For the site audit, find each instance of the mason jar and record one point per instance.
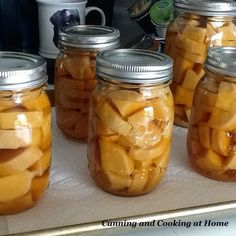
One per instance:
(131, 119)
(197, 26)
(211, 135)
(25, 131)
(75, 76)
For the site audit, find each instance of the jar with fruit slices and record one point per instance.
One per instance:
(131, 119)
(198, 25)
(25, 131)
(75, 74)
(212, 128)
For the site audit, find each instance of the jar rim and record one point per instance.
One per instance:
(21, 70)
(89, 36)
(206, 7)
(134, 66)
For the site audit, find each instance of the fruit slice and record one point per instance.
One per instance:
(146, 129)
(222, 120)
(12, 161)
(228, 31)
(15, 186)
(220, 141)
(192, 32)
(155, 176)
(210, 161)
(112, 119)
(127, 101)
(17, 205)
(101, 129)
(141, 154)
(79, 67)
(40, 103)
(46, 139)
(42, 164)
(226, 97)
(183, 96)
(67, 117)
(39, 185)
(190, 80)
(162, 160)
(36, 137)
(204, 132)
(18, 118)
(13, 139)
(115, 159)
(139, 181)
(230, 163)
(118, 182)
(181, 65)
(191, 46)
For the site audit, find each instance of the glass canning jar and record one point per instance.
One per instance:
(25, 131)
(212, 128)
(197, 26)
(131, 120)
(75, 76)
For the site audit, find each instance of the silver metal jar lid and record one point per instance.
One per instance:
(89, 36)
(134, 66)
(21, 71)
(206, 7)
(222, 60)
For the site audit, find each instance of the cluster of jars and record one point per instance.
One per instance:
(120, 102)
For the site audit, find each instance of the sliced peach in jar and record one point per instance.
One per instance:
(114, 158)
(210, 161)
(220, 141)
(16, 138)
(139, 180)
(101, 129)
(226, 97)
(67, 117)
(183, 96)
(40, 103)
(204, 132)
(79, 67)
(18, 118)
(155, 176)
(15, 186)
(20, 204)
(146, 130)
(190, 80)
(46, 139)
(144, 154)
(181, 66)
(224, 120)
(42, 164)
(112, 119)
(161, 161)
(195, 33)
(12, 161)
(39, 186)
(117, 182)
(127, 101)
(230, 163)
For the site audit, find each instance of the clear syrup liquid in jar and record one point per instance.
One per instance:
(75, 76)
(25, 131)
(211, 138)
(197, 26)
(131, 120)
